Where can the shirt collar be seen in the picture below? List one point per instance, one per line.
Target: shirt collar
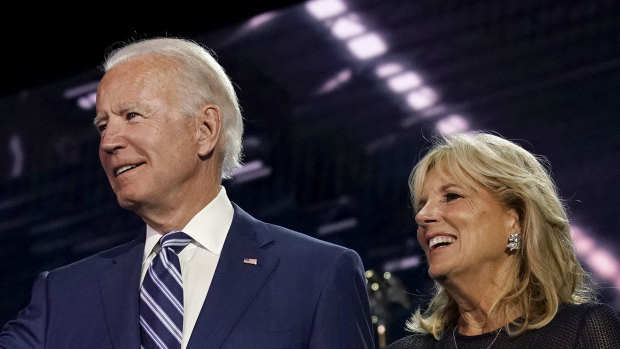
(208, 228)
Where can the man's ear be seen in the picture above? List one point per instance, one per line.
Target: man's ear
(209, 128)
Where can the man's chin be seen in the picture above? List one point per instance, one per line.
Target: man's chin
(128, 203)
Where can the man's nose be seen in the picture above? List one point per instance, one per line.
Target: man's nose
(113, 137)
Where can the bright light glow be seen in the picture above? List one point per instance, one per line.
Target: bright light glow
(452, 124)
(404, 263)
(340, 78)
(251, 171)
(603, 264)
(84, 103)
(434, 111)
(347, 26)
(88, 101)
(422, 98)
(250, 176)
(322, 9)
(248, 167)
(257, 21)
(367, 46)
(600, 261)
(80, 90)
(583, 243)
(337, 226)
(381, 329)
(387, 69)
(405, 81)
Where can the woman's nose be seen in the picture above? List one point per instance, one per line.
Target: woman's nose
(427, 214)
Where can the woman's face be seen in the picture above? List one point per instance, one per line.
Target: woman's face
(463, 230)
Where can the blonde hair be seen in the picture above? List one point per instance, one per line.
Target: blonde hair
(548, 270)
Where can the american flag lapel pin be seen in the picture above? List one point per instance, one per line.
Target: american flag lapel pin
(253, 261)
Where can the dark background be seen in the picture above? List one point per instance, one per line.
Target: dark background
(329, 162)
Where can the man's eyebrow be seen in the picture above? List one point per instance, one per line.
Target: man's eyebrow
(99, 118)
(122, 111)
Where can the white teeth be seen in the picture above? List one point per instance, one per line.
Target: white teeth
(439, 240)
(124, 168)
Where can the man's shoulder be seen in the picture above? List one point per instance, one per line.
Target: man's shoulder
(300, 248)
(88, 262)
(282, 235)
(295, 237)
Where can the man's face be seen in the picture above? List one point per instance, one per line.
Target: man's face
(148, 148)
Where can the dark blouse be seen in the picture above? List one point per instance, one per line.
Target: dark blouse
(592, 326)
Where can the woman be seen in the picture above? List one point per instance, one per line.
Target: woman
(498, 245)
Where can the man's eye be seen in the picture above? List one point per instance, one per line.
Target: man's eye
(452, 197)
(132, 115)
(101, 128)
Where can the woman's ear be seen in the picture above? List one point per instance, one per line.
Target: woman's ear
(209, 128)
(513, 221)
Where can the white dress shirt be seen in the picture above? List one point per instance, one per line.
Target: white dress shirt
(208, 229)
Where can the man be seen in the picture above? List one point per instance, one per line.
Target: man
(171, 128)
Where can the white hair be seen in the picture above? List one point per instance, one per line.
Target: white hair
(205, 81)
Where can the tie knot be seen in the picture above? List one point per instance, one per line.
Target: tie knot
(176, 240)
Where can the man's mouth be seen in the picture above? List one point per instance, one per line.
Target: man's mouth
(125, 168)
(439, 241)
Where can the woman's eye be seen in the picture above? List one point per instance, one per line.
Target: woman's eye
(101, 128)
(452, 197)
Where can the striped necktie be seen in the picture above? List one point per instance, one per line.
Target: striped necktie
(161, 296)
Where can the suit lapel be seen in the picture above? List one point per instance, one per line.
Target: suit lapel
(235, 283)
(119, 282)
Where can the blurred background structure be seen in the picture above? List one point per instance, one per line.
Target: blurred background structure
(340, 98)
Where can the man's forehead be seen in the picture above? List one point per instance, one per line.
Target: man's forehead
(146, 64)
(137, 79)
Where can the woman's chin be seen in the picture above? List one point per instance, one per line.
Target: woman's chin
(436, 273)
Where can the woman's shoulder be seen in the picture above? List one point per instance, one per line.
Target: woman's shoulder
(417, 340)
(587, 310)
(575, 316)
(593, 325)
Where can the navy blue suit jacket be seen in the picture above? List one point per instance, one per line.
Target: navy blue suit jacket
(302, 293)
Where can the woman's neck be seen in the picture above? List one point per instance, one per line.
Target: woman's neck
(474, 301)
